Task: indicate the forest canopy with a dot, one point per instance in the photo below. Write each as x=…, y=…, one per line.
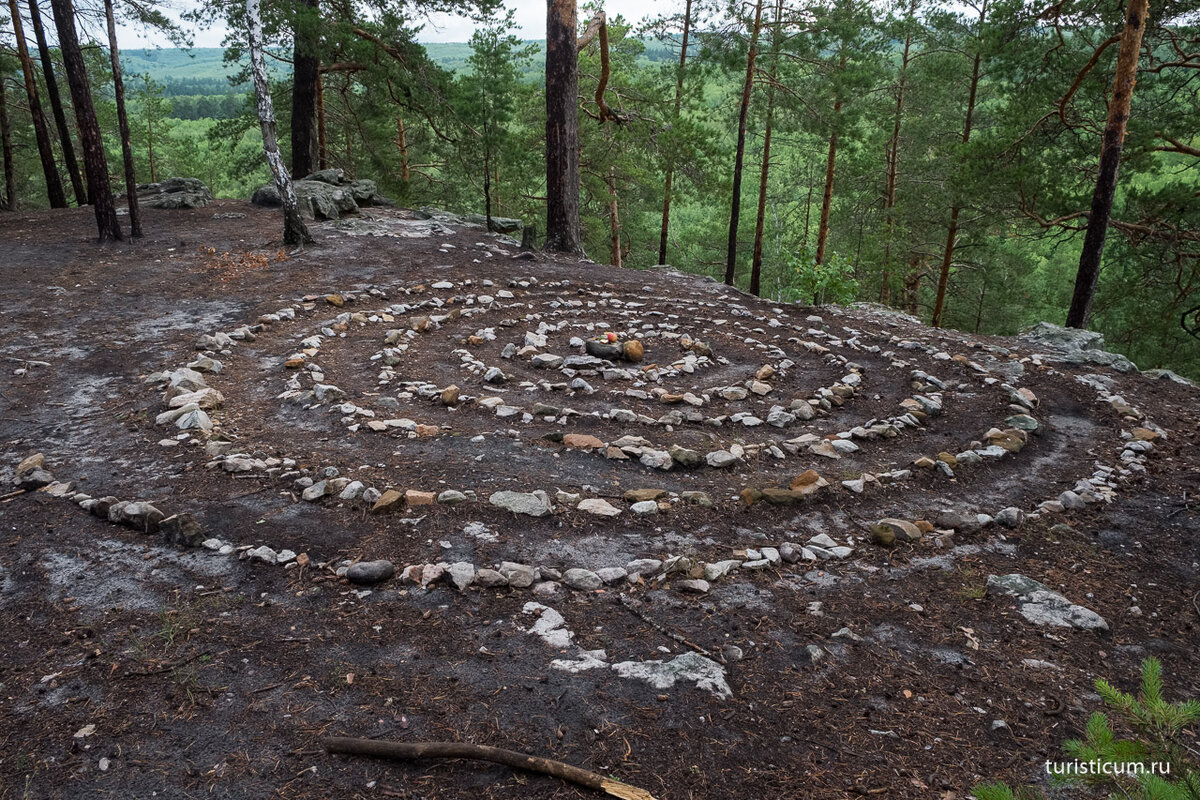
x=939, y=158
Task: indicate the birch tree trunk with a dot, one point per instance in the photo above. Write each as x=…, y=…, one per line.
x=135, y=213
x=54, y=188
x=743, y=112
x=56, y=106
x=294, y=230
x=670, y=176
x=95, y=163
x=1110, y=161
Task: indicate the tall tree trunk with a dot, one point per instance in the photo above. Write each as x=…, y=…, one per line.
x=322, y=145
x=402, y=143
x=6, y=149
x=306, y=72
x=743, y=112
x=670, y=176
x=56, y=106
x=614, y=221
x=760, y=220
x=135, y=213
x=487, y=178
x=827, y=194
x=95, y=164
x=893, y=166
x=939, y=304
x=1110, y=161
x=294, y=230
x=563, y=232
x=150, y=142
x=54, y=188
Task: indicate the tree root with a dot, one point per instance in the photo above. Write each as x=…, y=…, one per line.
x=403, y=751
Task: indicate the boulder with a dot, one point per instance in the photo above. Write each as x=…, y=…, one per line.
x=174, y=193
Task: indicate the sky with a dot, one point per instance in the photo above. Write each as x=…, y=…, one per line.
x=530, y=16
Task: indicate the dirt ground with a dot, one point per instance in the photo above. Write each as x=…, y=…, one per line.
x=132, y=668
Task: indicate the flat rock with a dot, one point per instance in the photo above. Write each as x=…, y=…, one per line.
x=599, y=507
x=367, y=573
x=1042, y=606
x=533, y=504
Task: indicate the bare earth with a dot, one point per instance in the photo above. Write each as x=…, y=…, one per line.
x=134, y=668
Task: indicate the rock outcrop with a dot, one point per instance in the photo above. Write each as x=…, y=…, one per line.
x=325, y=195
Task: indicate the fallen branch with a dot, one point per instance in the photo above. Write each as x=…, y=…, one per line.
x=403, y=751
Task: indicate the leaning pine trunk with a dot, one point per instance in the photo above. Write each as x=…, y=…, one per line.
x=135, y=213
x=736, y=207
x=54, y=188
x=294, y=230
x=95, y=164
x=1110, y=161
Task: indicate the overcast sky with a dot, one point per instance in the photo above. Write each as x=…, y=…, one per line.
x=531, y=16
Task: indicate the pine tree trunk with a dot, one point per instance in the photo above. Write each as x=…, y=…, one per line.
x=294, y=230
x=95, y=164
x=760, y=220
x=743, y=113
x=893, y=167
x=1110, y=162
x=952, y=233
x=322, y=146
x=563, y=232
x=827, y=194
x=150, y=144
x=56, y=106
x=670, y=176
x=614, y=221
x=6, y=149
x=402, y=143
x=135, y=213
x=54, y=188
x=306, y=72
x=487, y=179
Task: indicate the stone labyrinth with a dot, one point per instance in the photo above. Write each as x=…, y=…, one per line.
x=705, y=403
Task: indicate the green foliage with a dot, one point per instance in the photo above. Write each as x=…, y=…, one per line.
x=1155, y=764
x=819, y=284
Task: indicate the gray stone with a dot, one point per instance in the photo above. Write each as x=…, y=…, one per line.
x=315, y=492
x=720, y=458
x=1010, y=517
x=582, y=579
x=694, y=585
x=1041, y=606
x=612, y=574
x=367, y=573
x=644, y=508
x=139, y=515
x=490, y=578
x=598, y=507
x=533, y=504
x=643, y=566
x=182, y=530
x=462, y=574
x=519, y=576
x=690, y=667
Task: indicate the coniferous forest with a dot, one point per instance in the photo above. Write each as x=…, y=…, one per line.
x=944, y=159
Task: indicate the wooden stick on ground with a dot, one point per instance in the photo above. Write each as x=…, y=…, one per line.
x=404, y=751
